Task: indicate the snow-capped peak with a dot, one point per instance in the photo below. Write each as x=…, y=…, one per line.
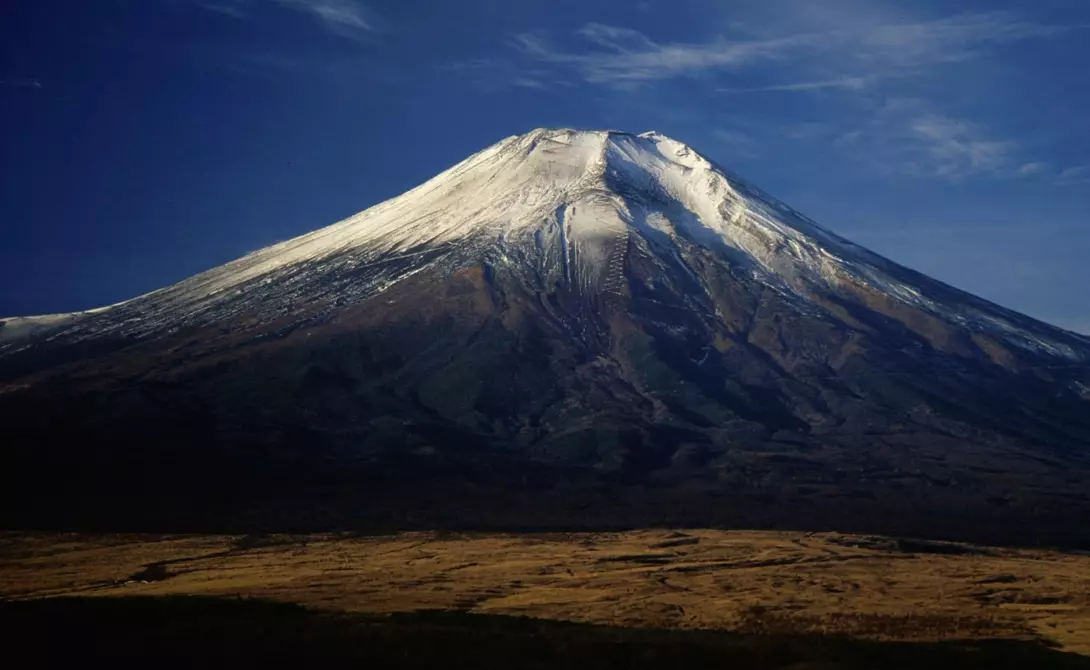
x=566, y=201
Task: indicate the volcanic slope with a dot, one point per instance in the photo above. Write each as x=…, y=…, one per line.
x=568, y=328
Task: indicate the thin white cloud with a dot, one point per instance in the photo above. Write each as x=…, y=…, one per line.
x=864, y=53
x=20, y=83
x=347, y=18
x=842, y=83
x=855, y=58
x=623, y=40
x=913, y=137
x=952, y=38
x=234, y=8
x=1074, y=176
x=624, y=56
x=909, y=137
x=957, y=148
x=492, y=75
x=1032, y=169
x=528, y=82
x=344, y=17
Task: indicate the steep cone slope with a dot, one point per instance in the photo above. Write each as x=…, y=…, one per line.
x=567, y=328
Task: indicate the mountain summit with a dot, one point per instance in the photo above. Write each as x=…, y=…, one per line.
x=568, y=328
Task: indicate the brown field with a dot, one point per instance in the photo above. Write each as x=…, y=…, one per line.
x=862, y=587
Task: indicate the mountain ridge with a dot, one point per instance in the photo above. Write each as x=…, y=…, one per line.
x=581, y=314
x=604, y=160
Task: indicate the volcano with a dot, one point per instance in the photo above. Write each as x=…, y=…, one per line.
x=568, y=329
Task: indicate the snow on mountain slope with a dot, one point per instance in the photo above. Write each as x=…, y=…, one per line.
x=563, y=312
x=20, y=327
x=562, y=202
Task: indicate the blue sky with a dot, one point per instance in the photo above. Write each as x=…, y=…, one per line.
x=146, y=140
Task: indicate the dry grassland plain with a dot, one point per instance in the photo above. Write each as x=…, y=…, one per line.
x=863, y=587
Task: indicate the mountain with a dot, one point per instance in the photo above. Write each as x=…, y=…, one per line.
x=567, y=329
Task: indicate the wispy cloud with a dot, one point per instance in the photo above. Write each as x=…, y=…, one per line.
x=492, y=74
x=909, y=136
x=842, y=83
x=904, y=136
x=20, y=83
x=347, y=18
x=952, y=38
x=344, y=17
x=1032, y=169
x=233, y=8
x=864, y=54
x=1074, y=176
x=958, y=148
x=880, y=84
x=624, y=56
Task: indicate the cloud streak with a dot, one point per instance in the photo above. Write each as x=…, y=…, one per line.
x=20, y=83
x=958, y=149
x=343, y=17
x=611, y=54
x=1078, y=175
x=625, y=56
x=346, y=18
x=1032, y=169
x=491, y=75
x=851, y=60
x=842, y=83
x=234, y=8
x=908, y=136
